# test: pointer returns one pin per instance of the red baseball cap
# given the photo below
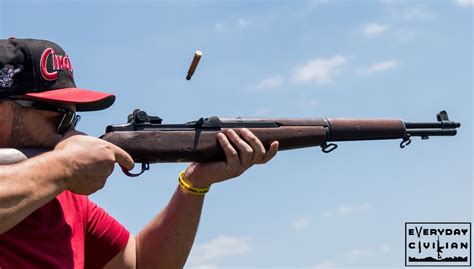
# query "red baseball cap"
(41, 70)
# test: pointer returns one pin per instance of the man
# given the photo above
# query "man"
(46, 219)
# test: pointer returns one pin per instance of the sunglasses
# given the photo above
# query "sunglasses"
(69, 118)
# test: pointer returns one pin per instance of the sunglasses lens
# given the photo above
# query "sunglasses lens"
(77, 118)
(69, 120)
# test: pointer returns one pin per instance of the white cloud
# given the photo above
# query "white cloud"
(386, 248)
(378, 67)
(317, 3)
(320, 70)
(241, 22)
(372, 29)
(219, 27)
(269, 83)
(229, 25)
(417, 13)
(361, 252)
(369, 252)
(325, 265)
(301, 223)
(354, 255)
(464, 3)
(344, 210)
(206, 254)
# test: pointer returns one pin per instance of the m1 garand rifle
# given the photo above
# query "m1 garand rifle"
(148, 140)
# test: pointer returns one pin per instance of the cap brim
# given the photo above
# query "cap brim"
(84, 100)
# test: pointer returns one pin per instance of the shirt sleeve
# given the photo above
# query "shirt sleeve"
(105, 237)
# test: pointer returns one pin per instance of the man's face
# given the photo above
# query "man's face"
(30, 127)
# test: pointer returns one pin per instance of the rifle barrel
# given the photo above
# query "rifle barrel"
(425, 125)
(431, 132)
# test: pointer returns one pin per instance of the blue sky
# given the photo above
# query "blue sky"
(305, 209)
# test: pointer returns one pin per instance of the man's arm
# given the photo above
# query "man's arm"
(166, 241)
(28, 185)
(80, 164)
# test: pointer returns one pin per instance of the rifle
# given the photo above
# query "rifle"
(148, 140)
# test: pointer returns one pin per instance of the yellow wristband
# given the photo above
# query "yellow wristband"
(187, 187)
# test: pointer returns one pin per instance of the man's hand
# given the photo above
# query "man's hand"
(247, 152)
(90, 161)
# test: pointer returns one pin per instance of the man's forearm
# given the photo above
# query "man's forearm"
(26, 186)
(167, 240)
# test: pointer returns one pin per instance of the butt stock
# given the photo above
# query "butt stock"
(148, 140)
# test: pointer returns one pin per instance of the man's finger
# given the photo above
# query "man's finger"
(229, 151)
(271, 152)
(255, 143)
(122, 157)
(232, 156)
(245, 150)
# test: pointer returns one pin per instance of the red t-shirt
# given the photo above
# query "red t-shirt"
(68, 232)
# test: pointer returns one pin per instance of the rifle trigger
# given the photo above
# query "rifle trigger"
(326, 148)
(145, 167)
(405, 142)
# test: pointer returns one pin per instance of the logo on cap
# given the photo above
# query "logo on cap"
(6, 76)
(60, 63)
